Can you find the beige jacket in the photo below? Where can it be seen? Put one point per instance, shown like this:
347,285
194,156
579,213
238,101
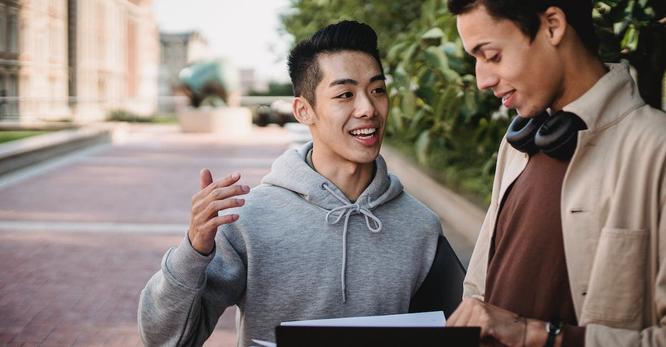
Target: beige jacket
613,216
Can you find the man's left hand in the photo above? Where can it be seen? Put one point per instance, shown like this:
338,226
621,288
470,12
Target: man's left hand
498,324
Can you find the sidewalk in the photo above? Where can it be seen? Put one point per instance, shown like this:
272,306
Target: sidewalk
80,238
80,235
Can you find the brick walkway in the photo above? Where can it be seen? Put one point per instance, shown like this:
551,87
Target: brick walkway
78,242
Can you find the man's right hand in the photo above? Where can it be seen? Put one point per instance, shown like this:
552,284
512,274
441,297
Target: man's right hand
213,197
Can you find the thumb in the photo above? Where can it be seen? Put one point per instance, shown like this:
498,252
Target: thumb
205,178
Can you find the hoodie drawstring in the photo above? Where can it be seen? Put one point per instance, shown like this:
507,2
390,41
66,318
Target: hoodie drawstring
346,210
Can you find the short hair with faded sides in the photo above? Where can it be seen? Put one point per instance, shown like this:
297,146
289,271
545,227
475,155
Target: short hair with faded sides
343,36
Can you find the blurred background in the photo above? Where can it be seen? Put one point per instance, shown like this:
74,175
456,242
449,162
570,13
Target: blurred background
109,108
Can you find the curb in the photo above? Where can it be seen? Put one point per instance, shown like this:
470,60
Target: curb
18,154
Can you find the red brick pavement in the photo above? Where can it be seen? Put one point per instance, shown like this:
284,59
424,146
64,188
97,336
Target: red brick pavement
63,288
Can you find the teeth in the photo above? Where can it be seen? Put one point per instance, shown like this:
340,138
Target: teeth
366,131
506,97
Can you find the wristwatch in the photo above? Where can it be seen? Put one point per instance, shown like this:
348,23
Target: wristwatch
553,329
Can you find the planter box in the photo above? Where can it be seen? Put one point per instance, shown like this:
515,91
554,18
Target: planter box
222,120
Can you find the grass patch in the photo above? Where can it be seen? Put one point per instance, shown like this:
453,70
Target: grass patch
11,135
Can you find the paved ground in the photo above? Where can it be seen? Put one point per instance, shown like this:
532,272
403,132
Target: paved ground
79,237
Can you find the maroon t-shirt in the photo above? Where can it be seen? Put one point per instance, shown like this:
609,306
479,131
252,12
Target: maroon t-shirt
527,272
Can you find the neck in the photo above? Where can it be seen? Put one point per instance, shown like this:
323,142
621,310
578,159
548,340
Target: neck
351,178
580,75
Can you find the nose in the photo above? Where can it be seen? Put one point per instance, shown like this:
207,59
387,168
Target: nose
485,77
365,106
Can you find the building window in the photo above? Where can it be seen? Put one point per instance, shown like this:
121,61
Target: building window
12,92
3,29
13,32
3,97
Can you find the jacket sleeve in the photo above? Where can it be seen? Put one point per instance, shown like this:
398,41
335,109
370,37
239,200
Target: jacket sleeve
182,302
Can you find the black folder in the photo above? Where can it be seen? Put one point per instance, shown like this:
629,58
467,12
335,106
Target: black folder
302,336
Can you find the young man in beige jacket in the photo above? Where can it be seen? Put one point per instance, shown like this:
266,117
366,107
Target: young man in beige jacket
573,248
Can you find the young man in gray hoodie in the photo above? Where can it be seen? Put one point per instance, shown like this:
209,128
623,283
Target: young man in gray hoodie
329,233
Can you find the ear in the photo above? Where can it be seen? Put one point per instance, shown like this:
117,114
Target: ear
302,110
554,21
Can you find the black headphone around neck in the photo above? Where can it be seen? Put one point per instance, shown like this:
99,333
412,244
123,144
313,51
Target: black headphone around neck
554,135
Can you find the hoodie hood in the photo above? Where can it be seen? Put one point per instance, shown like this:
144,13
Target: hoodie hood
291,171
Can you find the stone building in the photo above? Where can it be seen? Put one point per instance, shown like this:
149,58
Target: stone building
43,73
77,59
113,57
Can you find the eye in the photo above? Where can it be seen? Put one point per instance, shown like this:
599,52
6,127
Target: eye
380,90
495,58
345,95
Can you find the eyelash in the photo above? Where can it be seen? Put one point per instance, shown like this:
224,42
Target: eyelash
347,95
495,58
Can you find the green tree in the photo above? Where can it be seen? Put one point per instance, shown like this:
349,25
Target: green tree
437,113
388,18
636,30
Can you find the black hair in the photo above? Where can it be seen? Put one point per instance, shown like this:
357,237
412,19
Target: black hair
525,14
343,36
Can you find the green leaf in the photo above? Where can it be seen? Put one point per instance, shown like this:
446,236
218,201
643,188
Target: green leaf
630,39
409,53
423,147
397,119
395,50
436,58
433,36
408,104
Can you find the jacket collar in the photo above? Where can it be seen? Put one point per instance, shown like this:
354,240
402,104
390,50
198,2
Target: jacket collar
610,99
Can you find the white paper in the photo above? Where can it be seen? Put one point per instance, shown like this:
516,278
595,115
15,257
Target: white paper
425,319
260,343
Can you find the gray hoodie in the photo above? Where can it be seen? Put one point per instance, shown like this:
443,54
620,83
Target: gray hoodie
300,250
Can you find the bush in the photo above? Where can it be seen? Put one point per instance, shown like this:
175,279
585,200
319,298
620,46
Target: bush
126,116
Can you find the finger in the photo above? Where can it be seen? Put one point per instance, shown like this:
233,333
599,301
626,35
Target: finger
227,192
459,313
462,318
220,205
217,221
205,178
224,182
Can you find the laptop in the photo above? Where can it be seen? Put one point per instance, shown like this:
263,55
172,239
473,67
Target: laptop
301,336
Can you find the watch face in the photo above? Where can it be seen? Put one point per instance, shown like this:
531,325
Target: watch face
553,328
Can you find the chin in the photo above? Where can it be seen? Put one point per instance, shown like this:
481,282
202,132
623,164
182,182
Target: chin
528,113
365,158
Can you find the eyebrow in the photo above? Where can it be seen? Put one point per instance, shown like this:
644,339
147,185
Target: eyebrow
379,77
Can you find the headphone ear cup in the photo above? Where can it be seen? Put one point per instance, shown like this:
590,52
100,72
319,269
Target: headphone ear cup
558,135
522,130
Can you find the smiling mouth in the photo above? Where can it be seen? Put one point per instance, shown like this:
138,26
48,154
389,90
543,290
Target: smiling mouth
506,97
363,133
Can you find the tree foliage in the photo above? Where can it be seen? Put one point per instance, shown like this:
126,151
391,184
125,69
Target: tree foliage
437,113
388,18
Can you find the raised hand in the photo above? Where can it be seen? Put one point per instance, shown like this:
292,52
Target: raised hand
213,197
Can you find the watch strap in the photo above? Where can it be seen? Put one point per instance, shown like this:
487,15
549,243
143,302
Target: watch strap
553,329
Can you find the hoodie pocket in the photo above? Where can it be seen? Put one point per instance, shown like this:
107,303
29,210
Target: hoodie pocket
617,282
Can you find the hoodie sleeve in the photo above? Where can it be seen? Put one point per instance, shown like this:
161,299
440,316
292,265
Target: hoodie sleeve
182,302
